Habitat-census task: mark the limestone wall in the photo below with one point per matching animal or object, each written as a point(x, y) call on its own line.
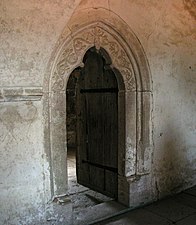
point(166, 30)
point(29, 31)
point(24, 171)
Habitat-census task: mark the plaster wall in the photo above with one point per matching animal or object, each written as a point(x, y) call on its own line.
point(24, 170)
point(166, 30)
point(29, 31)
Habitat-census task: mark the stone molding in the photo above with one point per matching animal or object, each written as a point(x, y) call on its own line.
point(13, 94)
point(128, 60)
point(98, 35)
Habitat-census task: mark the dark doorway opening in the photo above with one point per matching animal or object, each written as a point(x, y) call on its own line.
point(92, 128)
point(97, 125)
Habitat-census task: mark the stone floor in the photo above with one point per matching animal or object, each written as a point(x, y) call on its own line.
point(90, 207)
point(179, 209)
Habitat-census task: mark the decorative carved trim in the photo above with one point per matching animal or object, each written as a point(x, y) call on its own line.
point(13, 94)
point(129, 63)
point(73, 53)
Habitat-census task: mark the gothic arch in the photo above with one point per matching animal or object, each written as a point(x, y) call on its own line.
point(130, 63)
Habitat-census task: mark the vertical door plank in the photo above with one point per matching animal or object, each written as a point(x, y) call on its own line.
point(98, 126)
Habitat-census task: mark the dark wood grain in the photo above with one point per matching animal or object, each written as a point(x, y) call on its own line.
point(97, 110)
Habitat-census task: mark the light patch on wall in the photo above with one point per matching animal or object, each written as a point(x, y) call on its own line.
point(12, 115)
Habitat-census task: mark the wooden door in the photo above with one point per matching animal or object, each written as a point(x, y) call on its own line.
point(97, 127)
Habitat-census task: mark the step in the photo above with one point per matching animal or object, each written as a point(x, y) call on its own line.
point(96, 212)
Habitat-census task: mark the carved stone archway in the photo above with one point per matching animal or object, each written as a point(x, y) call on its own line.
point(132, 72)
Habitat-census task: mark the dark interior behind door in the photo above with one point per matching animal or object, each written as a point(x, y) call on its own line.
point(97, 125)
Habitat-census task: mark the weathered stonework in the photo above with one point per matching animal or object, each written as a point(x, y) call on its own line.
point(33, 31)
point(13, 94)
point(25, 167)
point(133, 79)
point(96, 35)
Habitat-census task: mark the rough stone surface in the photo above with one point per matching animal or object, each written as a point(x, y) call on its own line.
point(31, 33)
point(24, 179)
point(132, 72)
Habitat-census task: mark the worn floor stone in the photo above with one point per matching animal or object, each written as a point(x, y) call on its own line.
point(98, 211)
point(88, 206)
point(140, 217)
point(191, 191)
point(170, 209)
point(191, 220)
point(186, 199)
point(179, 210)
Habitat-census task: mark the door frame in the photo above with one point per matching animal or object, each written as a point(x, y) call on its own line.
point(131, 68)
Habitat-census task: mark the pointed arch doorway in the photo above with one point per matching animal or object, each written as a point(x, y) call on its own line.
point(130, 66)
point(97, 123)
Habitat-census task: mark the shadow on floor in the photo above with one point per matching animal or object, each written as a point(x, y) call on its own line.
point(90, 207)
point(179, 209)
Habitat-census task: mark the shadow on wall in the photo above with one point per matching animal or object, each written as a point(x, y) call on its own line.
point(175, 167)
point(175, 158)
